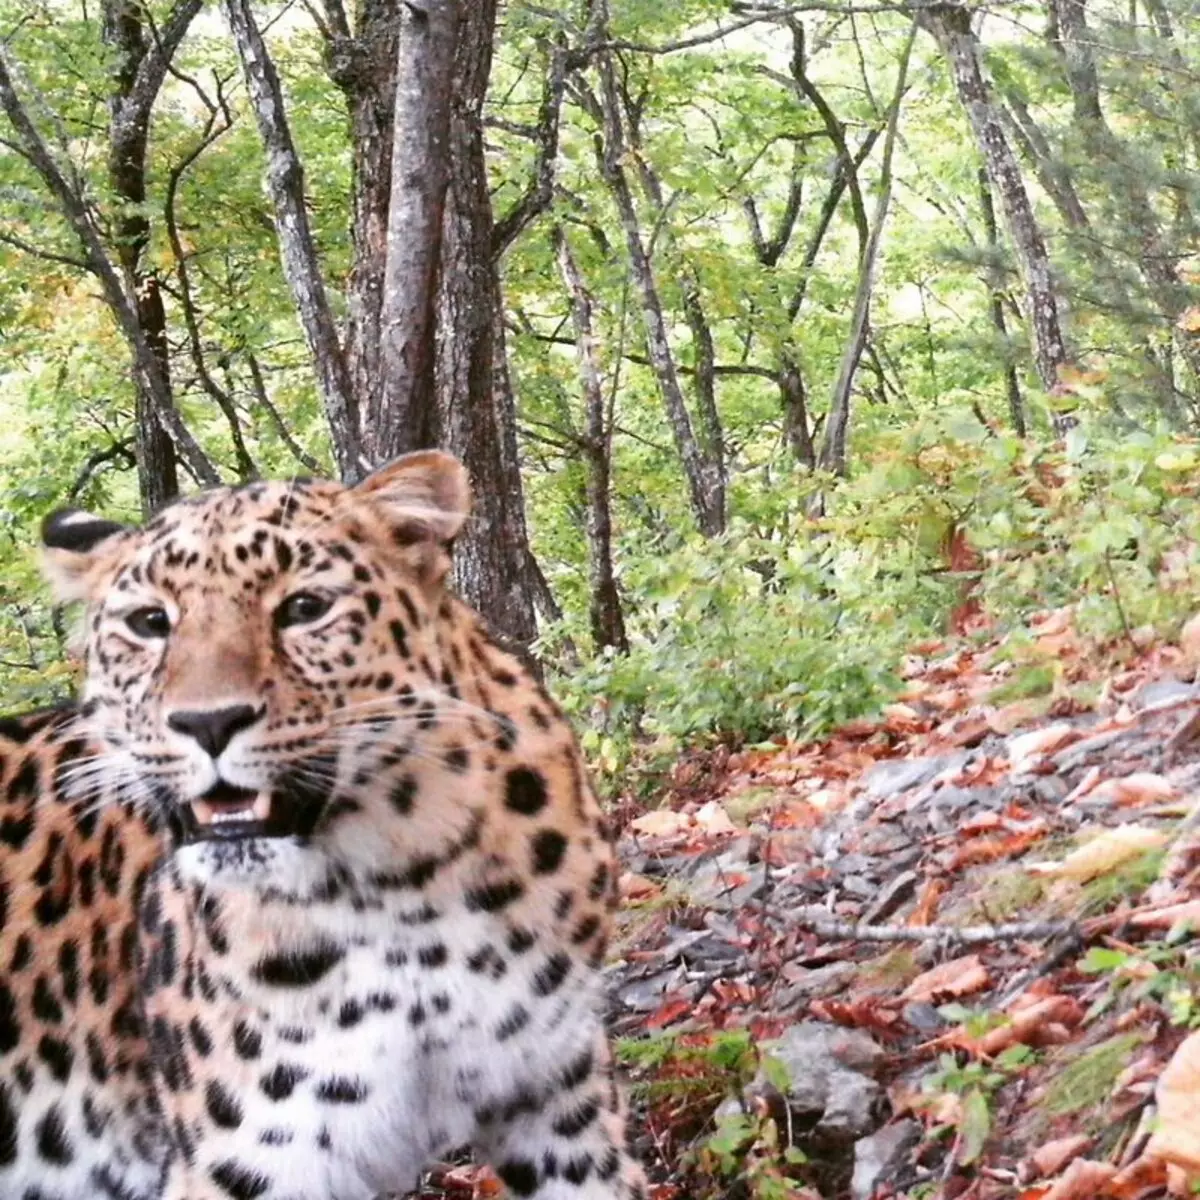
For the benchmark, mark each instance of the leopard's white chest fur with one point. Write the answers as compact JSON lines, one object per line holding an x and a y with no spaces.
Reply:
{"x":419,"y":1036}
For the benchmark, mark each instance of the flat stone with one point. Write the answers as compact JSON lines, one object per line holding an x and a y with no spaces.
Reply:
{"x":894,"y":893}
{"x":1161,"y":693}
{"x":879,"y":1157}
{"x":826,"y":1069}
{"x":895,"y":775}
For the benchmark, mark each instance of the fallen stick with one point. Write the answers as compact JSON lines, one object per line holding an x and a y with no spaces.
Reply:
{"x":967,"y":935}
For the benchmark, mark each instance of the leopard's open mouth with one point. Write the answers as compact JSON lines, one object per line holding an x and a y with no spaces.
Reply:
{"x":226,"y":813}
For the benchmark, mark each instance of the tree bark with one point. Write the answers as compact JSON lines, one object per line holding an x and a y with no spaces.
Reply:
{"x":492,"y":554}
{"x":1012,"y":386}
{"x":1155,"y":257}
{"x":67,"y":190}
{"x":137,"y":77}
{"x":362,"y":62}
{"x":301,"y":268}
{"x":402,"y":415}
{"x":833,"y":445}
{"x":604,"y":602}
{"x":705,"y":489}
{"x":951,"y":27}
{"x":708,"y":416}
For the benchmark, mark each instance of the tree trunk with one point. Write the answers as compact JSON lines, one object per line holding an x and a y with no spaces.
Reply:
{"x":136,"y":81}
{"x":951,"y":26}
{"x":604,"y":603}
{"x":492,"y":554}
{"x":298,"y":253}
{"x":833,"y":445}
{"x":1012,"y":386}
{"x":429,"y":80}
{"x":704,"y":479}
{"x":1106,"y":153}
{"x":362,"y":62}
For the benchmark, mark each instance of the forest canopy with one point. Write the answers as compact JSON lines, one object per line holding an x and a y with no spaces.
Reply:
{"x":776,"y":336}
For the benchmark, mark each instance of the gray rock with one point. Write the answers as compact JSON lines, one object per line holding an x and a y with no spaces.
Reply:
{"x":645,"y":995}
{"x":826,"y":1068}
{"x":895,"y":775}
{"x":1160,"y":693}
{"x":878,"y":1157}
{"x":893,"y":894}
{"x":721,"y":885}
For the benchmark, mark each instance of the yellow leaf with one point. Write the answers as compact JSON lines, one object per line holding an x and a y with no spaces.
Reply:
{"x":1107,"y":850}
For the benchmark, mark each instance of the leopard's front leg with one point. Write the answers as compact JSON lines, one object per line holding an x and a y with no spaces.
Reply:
{"x":570,"y":1143}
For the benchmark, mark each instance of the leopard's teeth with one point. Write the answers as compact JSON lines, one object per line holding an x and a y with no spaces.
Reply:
{"x":259,"y":809}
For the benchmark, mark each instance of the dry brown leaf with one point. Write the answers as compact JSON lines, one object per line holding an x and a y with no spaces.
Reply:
{"x":1176,"y":1138}
{"x":1189,"y":640}
{"x":1082,"y":1180}
{"x":1013,"y":716}
{"x":1142,"y":787}
{"x":1036,"y":1023}
{"x":713,"y":819}
{"x":1023,"y":749}
{"x":638,"y":887}
{"x":958,"y":977}
{"x":1139,"y":1177}
{"x":1108,"y":849}
{"x":1170,"y":914}
{"x":1049,"y":1159}
{"x":661,"y":822}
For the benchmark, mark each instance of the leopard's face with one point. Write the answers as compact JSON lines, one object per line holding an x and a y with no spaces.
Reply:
{"x":256,"y":656}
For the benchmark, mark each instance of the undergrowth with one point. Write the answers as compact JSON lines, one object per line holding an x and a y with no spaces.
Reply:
{"x":791,"y":625}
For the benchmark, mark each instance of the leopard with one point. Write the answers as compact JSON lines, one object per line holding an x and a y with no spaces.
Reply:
{"x":308,"y":887}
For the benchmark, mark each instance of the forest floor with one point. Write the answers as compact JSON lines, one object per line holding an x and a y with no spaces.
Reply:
{"x":945,"y":953}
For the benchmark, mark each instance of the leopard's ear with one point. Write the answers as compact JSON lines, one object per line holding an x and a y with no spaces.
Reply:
{"x":425,"y":496}
{"x":74,"y":543}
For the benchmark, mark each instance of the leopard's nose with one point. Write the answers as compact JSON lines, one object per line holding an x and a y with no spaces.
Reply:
{"x":214,"y":728}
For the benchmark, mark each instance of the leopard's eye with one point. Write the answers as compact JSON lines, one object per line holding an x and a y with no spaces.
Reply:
{"x":302,"y":608}
{"x":149,"y":622}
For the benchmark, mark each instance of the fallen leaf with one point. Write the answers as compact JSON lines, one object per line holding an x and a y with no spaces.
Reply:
{"x":1170,"y":914}
{"x":638,"y":887}
{"x":1106,"y":850}
{"x":1142,"y":787}
{"x":1050,"y":1158}
{"x":958,"y":977}
{"x":1189,"y":640}
{"x":1139,"y":1177}
{"x":1037,"y":1023}
{"x":661,"y":822}
{"x":1176,"y":1138}
{"x":1082,"y":1180}
{"x":1027,"y":747}
{"x":989,"y":849}
{"x":711,"y":818}
{"x":669,"y":1011}
{"x":1013,"y":716}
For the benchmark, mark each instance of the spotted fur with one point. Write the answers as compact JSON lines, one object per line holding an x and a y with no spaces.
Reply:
{"x":310,"y":887}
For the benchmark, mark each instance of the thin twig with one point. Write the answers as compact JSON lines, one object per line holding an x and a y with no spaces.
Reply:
{"x":966,"y":935}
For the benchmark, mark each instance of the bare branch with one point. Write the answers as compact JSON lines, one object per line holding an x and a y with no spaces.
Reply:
{"x":79,"y":217}
{"x":540,"y":190}
{"x":49,"y":255}
{"x":122,"y":450}
{"x":826,"y":926}
{"x":285,"y":177}
{"x":211,"y":132}
{"x":285,"y":435}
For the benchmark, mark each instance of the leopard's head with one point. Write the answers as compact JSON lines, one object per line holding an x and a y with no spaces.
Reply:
{"x":257,"y":656}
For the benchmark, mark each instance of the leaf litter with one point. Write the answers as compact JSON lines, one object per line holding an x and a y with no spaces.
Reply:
{"x":947,"y":953}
